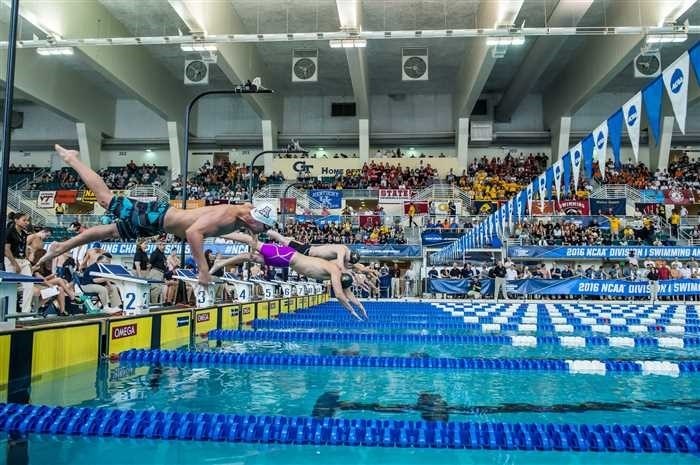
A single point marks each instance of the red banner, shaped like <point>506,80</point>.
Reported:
<point>574,207</point>
<point>537,208</point>
<point>678,196</point>
<point>394,195</point>
<point>369,221</point>
<point>421,207</point>
<point>288,205</point>
<point>66,196</point>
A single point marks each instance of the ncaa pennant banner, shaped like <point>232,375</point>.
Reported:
<point>651,96</point>
<point>588,156</point>
<point>566,164</point>
<point>676,80</point>
<point>542,187</point>
<point>632,114</point>
<point>557,176</point>
<point>576,162</point>
<point>600,146</point>
<point>615,136</point>
<point>695,61</point>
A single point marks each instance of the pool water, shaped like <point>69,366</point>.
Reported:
<point>362,393</point>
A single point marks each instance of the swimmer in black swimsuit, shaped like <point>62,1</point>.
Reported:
<point>136,219</point>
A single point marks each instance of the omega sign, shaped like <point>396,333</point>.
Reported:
<point>119,332</point>
<point>202,317</point>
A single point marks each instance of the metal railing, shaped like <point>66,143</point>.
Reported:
<point>27,181</point>
<point>439,191</point>
<point>276,191</point>
<point>618,191</point>
<point>150,191</point>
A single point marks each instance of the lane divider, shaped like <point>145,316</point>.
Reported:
<point>101,422</point>
<point>346,323</point>
<point>518,341</point>
<point>220,358</point>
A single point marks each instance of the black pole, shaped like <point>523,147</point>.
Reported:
<point>188,113</point>
<point>7,120</point>
<point>255,158</point>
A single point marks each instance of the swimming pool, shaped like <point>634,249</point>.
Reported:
<point>384,393</point>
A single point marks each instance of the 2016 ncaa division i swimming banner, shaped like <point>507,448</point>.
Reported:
<point>602,252</point>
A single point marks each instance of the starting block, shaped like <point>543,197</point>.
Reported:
<point>136,292</point>
<point>204,296</point>
<point>287,288</point>
<point>8,293</point>
<point>299,287</point>
<point>268,288</point>
<point>319,288</point>
<point>243,289</point>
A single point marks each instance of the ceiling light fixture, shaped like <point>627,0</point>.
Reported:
<point>348,43</point>
<point>198,47</point>
<point>667,38</point>
<point>46,51</point>
<point>506,40</point>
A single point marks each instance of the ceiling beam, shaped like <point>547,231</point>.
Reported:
<point>567,13</point>
<point>238,62</point>
<point>602,58</point>
<point>350,16</point>
<point>478,60</point>
<point>50,83</point>
<point>132,69</point>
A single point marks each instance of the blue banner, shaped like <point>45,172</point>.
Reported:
<point>607,206</point>
<point>695,60</point>
<point>615,136</point>
<point>318,220</point>
<point>571,287</point>
<point>129,248</point>
<point>600,253</point>
<point>587,144</point>
<point>651,98</point>
<point>329,198</point>
<point>652,195</point>
<point>438,237</point>
<point>387,250</point>
<point>448,286</point>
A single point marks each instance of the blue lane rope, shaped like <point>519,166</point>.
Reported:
<point>102,422</point>
<point>261,335</point>
<point>346,323</point>
<point>220,358</point>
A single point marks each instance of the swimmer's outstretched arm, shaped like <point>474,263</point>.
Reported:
<point>279,238</point>
<point>352,298</point>
<point>240,237</point>
<point>340,294</point>
<point>237,260</point>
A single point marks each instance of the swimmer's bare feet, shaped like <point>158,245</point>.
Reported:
<point>66,155</point>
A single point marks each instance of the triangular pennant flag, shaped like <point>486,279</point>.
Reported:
<point>530,189</point>
<point>600,148</point>
<point>550,181</point>
<point>542,188</point>
<point>576,162</point>
<point>676,80</point>
<point>632,111</point>
<point>651,96</point>
<point>519,206</point>
<point>558,171</point>
<point>566,163</point>
<point>695,60</point>
<point>588,156</point>
<point>615,136</point>
<point>510,212</point>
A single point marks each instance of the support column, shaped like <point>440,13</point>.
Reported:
<point>463,142</point>
<point>176,140</point>
<point>560,138</point>
<point>90,145</point>
<point>659,153</point>
<point>364,139</point>
<point>269,133</point>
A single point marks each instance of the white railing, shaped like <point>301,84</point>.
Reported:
<point>444,192</point>
<point>17,202</point>
<point>617,191</point>
<point>276,191</point>
<point>27,181</point>
<point>149,191</point>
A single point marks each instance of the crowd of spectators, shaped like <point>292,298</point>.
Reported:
<point>223,180</point>
<point>682,173</point>
<point>377,175</point>
<point>345,233</point>
<point>639,230</point>
<point>118,178</point>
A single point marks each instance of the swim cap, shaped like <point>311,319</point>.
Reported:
<point>354,257</point>
<point>265,215</point>
<point>345,280</point>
